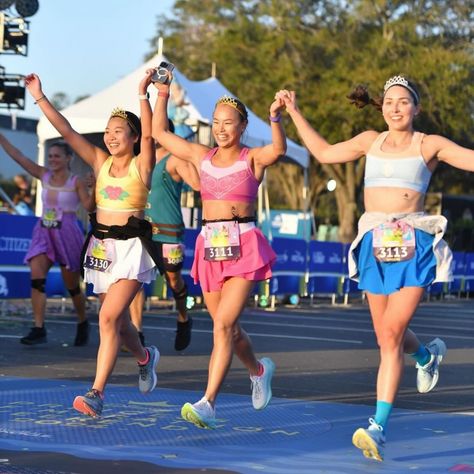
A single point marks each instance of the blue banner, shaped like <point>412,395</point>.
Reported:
<point>291,255</point>
<point>326,257</point>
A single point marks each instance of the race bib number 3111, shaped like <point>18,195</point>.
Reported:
<point>221,241</point>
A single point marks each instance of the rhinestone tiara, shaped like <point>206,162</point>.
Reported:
<point>227,100</point>
<point>118,112</point>
<point>401,81</point>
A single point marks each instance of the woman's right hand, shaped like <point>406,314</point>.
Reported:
<point>33,84</point>
<point>164,87</point>
<point>289,98</point>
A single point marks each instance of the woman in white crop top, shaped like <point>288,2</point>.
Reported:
<point>399,251</point>
<point>117,260</point>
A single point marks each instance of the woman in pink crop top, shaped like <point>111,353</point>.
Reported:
<point>117,260</point>
<point>57,237</point>
<point>231,254</point>
<point>399,251</point>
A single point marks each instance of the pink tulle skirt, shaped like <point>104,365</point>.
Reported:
<point>254,264</point>
<point>61,245</point>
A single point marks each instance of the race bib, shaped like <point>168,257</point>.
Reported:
<point>51,218</point>
<point>100,255</point>
<point>173,254</point>
<point>221,241</point>
<point>393,242</point>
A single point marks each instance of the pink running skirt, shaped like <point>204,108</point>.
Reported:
<point>254,264</point>
<point>61,246</point>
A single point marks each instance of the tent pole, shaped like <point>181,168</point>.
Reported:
<point>307,231</point>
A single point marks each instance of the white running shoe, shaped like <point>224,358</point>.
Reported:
<point>428,374</point>
<point>370,441</point>
<point>201,414</point>
<point>262,386</point>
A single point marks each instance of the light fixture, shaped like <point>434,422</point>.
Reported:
<point>4,4</point>
<point>12,93</point>
<point>13,35</point>
<point>26,7</point>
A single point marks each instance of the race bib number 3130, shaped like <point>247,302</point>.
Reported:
<point>394,242</point>
<point>100,255</point>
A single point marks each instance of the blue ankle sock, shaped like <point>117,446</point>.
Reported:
<point>422,355</point>
<point>382,413</point>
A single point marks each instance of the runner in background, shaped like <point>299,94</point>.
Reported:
<point>57,237</point>
<point>163,211</point>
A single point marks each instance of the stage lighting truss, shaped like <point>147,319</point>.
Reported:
<point>12,90</point>
<point>13,35</point>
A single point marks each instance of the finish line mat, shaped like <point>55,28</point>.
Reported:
<point>289,436</point>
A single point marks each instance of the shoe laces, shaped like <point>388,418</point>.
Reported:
<point>256,385</point>
<point>374,425</point>
<point>93,393</point>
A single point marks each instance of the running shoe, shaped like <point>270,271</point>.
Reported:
<point>35,336</point>
<point>262,386</point>
<point>183,334</point>
<point>201,414</point>
<point>82,333</point>
<point>428,374</point>
<point>147,378</point>
<point>370,441</point>
<point>90,404</point>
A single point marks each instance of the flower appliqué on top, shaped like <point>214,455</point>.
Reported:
<point>114,193</point>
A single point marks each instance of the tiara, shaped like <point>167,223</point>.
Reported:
<point>395,81</point>
<point>401,81</point>
<point>227,100</point>
<point>118,112</point>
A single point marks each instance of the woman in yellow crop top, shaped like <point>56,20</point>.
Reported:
<point>399,251</point>
<point>117,260</point>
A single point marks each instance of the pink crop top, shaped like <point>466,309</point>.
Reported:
<point>233,183</point>
<point>63,197</point>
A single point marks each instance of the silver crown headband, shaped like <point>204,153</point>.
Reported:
<point>401,81</point>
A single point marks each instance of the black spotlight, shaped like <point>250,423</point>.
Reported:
<point>13,35</point>
<point>26,7</point>
<point>12,92</point>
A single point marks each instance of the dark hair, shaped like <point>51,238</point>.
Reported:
<point>65,147</point>
<point>170,125</point>
<point>360,95</point>
<point>360,98</point>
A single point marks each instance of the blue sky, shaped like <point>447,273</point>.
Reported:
<point>80,47</point>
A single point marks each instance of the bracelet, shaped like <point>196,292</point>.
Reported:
<point>40,99</point>
<point>275,119</point>
<point>163,94</point>
<point>145,96</point>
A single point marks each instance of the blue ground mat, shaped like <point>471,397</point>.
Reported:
<point>289,436</point>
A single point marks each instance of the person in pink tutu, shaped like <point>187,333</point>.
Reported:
<point>231,253</point>
<point>57,237</point>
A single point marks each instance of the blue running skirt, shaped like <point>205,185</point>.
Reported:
<point>385,278</point>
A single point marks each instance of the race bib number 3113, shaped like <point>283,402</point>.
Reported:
<point>394,242</point>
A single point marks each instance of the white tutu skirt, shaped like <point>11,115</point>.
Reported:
<point>130,261</point>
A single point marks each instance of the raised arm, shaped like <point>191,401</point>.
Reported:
<point>93,155</point>
<point>176,145</point>
<point>267,155</point>
<point>146,159</point>
<point>28,165</point>
<point>324,152</point>
<point>189,174</point>
<point>449,152</point>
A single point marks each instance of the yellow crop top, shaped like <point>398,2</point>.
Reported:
<point>126,194</point>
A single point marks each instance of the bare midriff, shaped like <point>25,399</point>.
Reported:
<point>217,209</point>
<point>393,200</point>
<point>116,217</point>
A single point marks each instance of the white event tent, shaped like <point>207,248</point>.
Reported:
<point>90,115</point>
